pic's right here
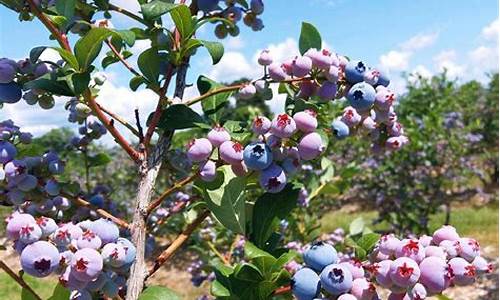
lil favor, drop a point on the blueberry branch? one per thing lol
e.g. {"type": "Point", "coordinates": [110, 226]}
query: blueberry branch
{"type": "Point", "coordinates": [119, 119]}
{"type": "Point", "coordinates": [18, 279]}
{"type": "Point", "coordinates": [177, 243]}
{"type": "Point", "coordinates": [127, 13]}
{"type": "Point", "coordinates": [176, 186]}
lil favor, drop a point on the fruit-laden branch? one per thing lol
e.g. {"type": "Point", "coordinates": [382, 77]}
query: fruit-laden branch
{"type": "Point", "coordinates": [18, 279]}
{"type": "Point", "coordinates": [61, 38]}
{"type": "Point", "coordinates": [178, 242]}
{"type": "Point", "coordinates": [103, 213]}
{"type": "Point", "coordinates": [119, 119]}
{"type": "Point", "coordinates": [109, 124]}
{"type": "Point", "coordinates": [176, 186]}
{"type": "Point", "coordinates": [236, 87]}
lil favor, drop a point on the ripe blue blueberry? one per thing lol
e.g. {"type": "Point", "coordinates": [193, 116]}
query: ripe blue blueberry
{"type": "Point", "coordinates": [273, 179]}
{"type": "Point", "coordinates": [106, 230]}
{"type": "Point", "coordinates": [340, 129]}
{"type": "Point", "coordinates": [336, 279]}
{"type": "Point", "coordinates": [7, 72]}
{"type": "Point", "coordinates": [327, 90]}
{"type": "Point", "coordinates": [320, 255]}
{"type": "Point", "coordinates": [113, 255]}
{"type": "Point", "coordinates": [354, 71]}
{"type": "Point", "coordinates": [86, 264]}
{"type": "Point", "coordinates": [361, 96]}
{"type": "Point", "coordinates": [10, 92]}
{"type": "Point", "coordinates": [7, 152]}
{"type": "Point", "coordinates": [257, 156]}
{"type": "Point", "coordinates": [97, 200]}
{"type": "Point", "coordinates": [305, 284]}
{"type": "Point", "coordinates": [257, 6]}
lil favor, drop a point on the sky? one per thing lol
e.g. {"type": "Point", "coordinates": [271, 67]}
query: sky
{"type": "Point", "coordinates": [424, 37]}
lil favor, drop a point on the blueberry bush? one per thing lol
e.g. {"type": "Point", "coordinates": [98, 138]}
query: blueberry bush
{"type": "Point", "coordinates": [239, 176]}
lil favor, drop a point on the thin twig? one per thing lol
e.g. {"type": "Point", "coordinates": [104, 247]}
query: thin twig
{"type": "Point", "coordinates": [119, 119]}
{"type": "Point", "coordinates": [282, 290]}
{"type": "Point", "coordinates": [18, 279]}
{"type": "Point", "coordinates": [109, 124]}
{"type": "Point", "coordinates": [138, 123]}
{"type": "Point", "coordinates": [103, 213]}
{"type": "Point", "coordinates": [127, 13]}
{"type": "Point", "coordinates": [60, 37]}
{"type": "Point", "coordinates": [169, 191]}
{"type": "Point", "coordinates": [217, 253]}
{"type": "Point", "coordinates": [236, 87]}
{"type": "Point", "coordinates": [178, 242]}
{"type": "Point", "coordinates": [122, 59]}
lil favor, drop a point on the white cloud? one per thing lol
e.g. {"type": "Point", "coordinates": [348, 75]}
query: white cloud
{"type": "Point", "coordinates": [490, 32]}
{"type": "Point", "coordinates": [422, 71]}
{"type": "Point", "coordinates": [234, 43]}
{"type": "Point", "coordinates": [446, 60]}
{"type": "Point", "coordinates": [232, 66]}
{"type": "Point", "coordinates": [419, 41]}
{"type": "Point", "coordinates": [395, 60]}
{"type": "Point", "coordinates": [140, 46]}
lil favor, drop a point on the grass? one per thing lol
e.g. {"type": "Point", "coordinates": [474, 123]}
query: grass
{"type": "Point", "coordinates": [480, 223]}
{"type": "Point", "coordinates": [11, 290]}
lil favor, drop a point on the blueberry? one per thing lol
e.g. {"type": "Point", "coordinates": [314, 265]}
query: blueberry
{"type": "Point", "coordinates": [231, 152]}
{"type": "Point", "coordinates": [320, 59]}
{"type": "Point", "coordinates": [97, 200]}
{"type": "Point", "coordinates": [52, 187]}
{"type": "Point", "coordinates": [47, 225]}
{"type": "Point", "coordinates": [113, 255]}
{"type": "Point", "coordinates": [273, 179]}
{"type": "Point", "coordinates": [305, 284]}
{"type": "Point", "coordinates": [218, 135]}
{"type": "Point", "coordinates": [106, 230]}
{"type": "Point", "coordinates": [86, 264]}
{"type": "Point", "coordinates": [351, 117]}
{"type": "Point", "coordinates": [481, 265]}
{"type": "Point", "coordinates": [410, 248]}
{"type": "Point", "coordinates": [307, 88]}
{"type": "Point", "coordinates": [7, 72]}
{"type": "Point", "coordinates": [327, 90]}
{"type": "Point", "coordinates": [239, 169]}
{"type": "Point", "coordinates": [257, 156]}
{"type": "Point", "coordinates": [464, 273]}
{"type": "Point", "coordinates": [362, 289]}
{"type": "Point", "coordinates": [265, 58]}
{"type": "Point", "coordinates": [10, 92]}
{"type": "Point", "coordinates": [383, 79]}
{"type": "Point", "coordinates": [89, 240]}
{"type": "Point", "coordinates": [247, 91]}
{"type": "Point", "coordinates": [130, 249]}
{"type": "Point", "coordinates": [336, 279]}
{"type": "Point", "coordinates": [207, 5]}
{"type": "Point", "coordinates": [208, 171]}
{"type": "Point", "coordinates": [283, 126]}
{"type": "Point", "coordinates": [354, 71]}
{"type": "Point", "coordinates": [417, 292]}
{"type": "Point", "coordinates": [261, 125]}
{"type": "Point", "coordinates": [277, 72]}
{"type": "Point", "coordinates": [16, 222]}
{"type": "Point", "coordinates": [340, 129]}
{"type": "Point", "coordinates": [7, 152]}
{"type": "Point", "coordinates": [306, 120]}
{"type": "Point", "coordinates": [310, 146]}
{"type": "Point", "coordinates": [199, 150]}
{"type": "Point", "coordinates": [381, 271]}
{"type": "Point", "coordinates": [404, 272]}
{"type": "Point", "coordinates": [320, 255]}
{"type": "Point", "coordinates": [469, 249]}
{"type": "Point", "coordinates": [257, 6]}
{"type": "Point", "coordinates": [39, 259]}
{"type": "Point", "coordinates": [301, 66]}
{"type": "Point", "coordinates": [28, 183]}
{"type": "Point", "coordinates": [361, 96]}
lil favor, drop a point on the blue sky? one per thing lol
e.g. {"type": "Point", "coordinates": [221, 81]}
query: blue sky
{"type": "Point", "coordinates": [422, 36]}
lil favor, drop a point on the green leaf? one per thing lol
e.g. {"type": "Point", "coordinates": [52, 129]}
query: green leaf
{"type": "Point", "coordinates": [88, 47]}
{"type": "Point", "coordinates": [212, 106]}
{"type": "Point", "coordinates": [179, 116]}
{"type": "Point", "coordinates": [127, 36]}
{"type": "Point", "coordinates": [27, 295]}
{"type": "Point", "coordinates": [108, 60]}
{"type": "Point", "coordinates": [51, 86]}
{"type": "Point", "coordinates": [156, 8]}
{"type": "Point", "coordinates": [60, 293]}
{"type": "Point", "coordinates": [66, 8]}
{"type": "Point", "coordinates": [36, 52]}
{"type": "Point", "coordinates": [252, 251]}
{"type": "Point", "coordinates": [78, 82]}
{"type": "Point", "coordinates": [215, 49]}
{"type": "Point", "coordinates": [356, 226]}
{"type": "Point", "coordinates": [149, 64]}
{"type": "Point", "coordinates": [268, 210]}
{"type": "Point", "coordinates": [136, 82]}
{"type": "Point", "coordinates": [158, 293]}
{"type": "Point", "coordinates": [368, 241]}
{"type": "Point", "coordinates": [248, 272]}
{"type": "Point", "coordinates": [181, 15]}
{"type": "Point", "coordinates": [227, 201]}
{"type": "Point", "coordinates": [100, 159]}
{"type": "Point", "coordinates": [309, 38]}
{"type": "Point", "coordinates": [219, 290]}
{"type": "Point", "coordinates": [68, 57]}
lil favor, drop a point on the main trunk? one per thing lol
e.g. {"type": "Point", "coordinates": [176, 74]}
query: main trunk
{"type": "Point", "coordinates": [149, 173]}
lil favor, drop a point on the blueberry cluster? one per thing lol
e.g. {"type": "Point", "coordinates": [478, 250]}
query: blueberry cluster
{"type": "Point", "coordinates": [412, 269]}
{"type": "Point", "coordinates": [233, 12]}
{"type": "Point", "coordinates": [14, 74]}
{"type": "Point", "coordinates": [90, 256]}
{"type": "Point", "coordinates": [198, 274]}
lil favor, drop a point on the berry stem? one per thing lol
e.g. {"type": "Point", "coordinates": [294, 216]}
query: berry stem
{"type": "Point", "coordinates": [282, 290]}
{"type": "Point", "coordinates": [18, 279]}
{"type": "Point", "coordinates": [176, 186]}
{"type": "Point", "coordinates": [177, 243]}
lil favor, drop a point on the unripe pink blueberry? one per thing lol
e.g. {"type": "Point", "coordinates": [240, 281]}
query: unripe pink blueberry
{"type": "Point", "coordinates": [417, 292]}
{"type": "Point", "coordinates": [411, 248]}
{"type": "Point", "coordinates": [261, 125]}
{"type": "Point", "coordinates": [347, 297]}
{"type": "Point", "coordinates": [404, 272]}
{"type": "Point", "coordinates": [231, 152]}
{"type": "Point", "coordinates": [464, 273]}
{"type": "Point", "coordinates": [47, 225]}
{"type": "Point", "coordinates": [199, 150]}
{"type": "Point", "coordinates": [369, 124]}
{"type": "Point", "coordinates": [310, 146]}
{"type": "Point", "coordinates": [113, 255]}
{"type": "Point", "coordinates": [327, 90]}
{"type": "Point", "coordinates": [371, 76]}
{"type": "Point", "coordinates": [332, 74]}
{"type": "Point", "coordinates": [265, 58]}
{"type": "Point", "coordinates": [381, 270]}
{"type": "Point", "coordinates": [350, 116]}
{"type": "Point", "coordinates": [435, 274]}
{"type": "Point", "coordinates": [452, 248]}
{"type": "Point", "coordinates": [384, 98]}
{"type": "Point", "coordinates": [306, 120]}
{"type": "Point", "coordinates": [283, 126]}
{"type": "Point", "coordinates": [469, 249]}
{"type": "Point", "coordinates": [395, 129]}
{"type": "Point", "coordinates": [301, 66]}
{"type": "Point", "coordinates": [388, 244]}
{"type": "Point", "coordinates": [273, 141]}
{"type": "Point", "coordinates": [320, 59]}
{"type": "Point", "coordinates": [425, 240]}
{"type": "Point", "coordinates": [86, 264]}
{"type": "Point", "coordinates": [208, 171]}
{"type": "Point", "coordinates": [396, 142]}
{"type": "Point", "coordinates": [247, 91]}
{"type": "Point", "coordinates": [277, 72]}
{"type": "Point", "coordinates": [89, 240]}
{"type": "Point", "coordinates": [435, 251]}
{"type": "Point", "coordinates": [218, 135]}
{"type": "Point", "coordinates": [446, 232]}
{"type": "Point", "coordinates": [343, 61]}
{"type": "Point", "coordinates": [355, 267]}
{"type": "Point", "coordinates": [482, 266]}
{"type": "Point", "coordinates": [362, 289]}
